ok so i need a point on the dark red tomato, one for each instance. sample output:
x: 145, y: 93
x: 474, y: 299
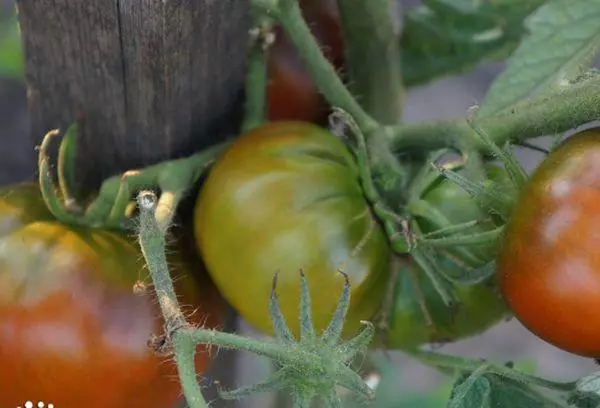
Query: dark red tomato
x: 72, y: 331
x: 284, y: 197
x: 292, y: 94
x: 549, y: 266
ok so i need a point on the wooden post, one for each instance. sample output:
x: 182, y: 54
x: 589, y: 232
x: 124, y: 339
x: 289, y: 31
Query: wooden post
x: 151, y: 79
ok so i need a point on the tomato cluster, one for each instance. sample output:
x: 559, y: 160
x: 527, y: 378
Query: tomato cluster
x: 288, y: 196
x: 73, y: 331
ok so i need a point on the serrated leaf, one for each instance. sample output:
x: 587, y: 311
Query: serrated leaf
x: 444, y: 37
x: 590, y: 383
x: 509, y: 393
x: 584, y: 400
x: 473, y: 392
x: 563, y: 42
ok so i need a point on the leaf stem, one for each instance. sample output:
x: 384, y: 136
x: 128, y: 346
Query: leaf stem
x: 184, y: 348
x: 257, y: 74
x: 465, y: 364
x: 288, y: 14
x: 373, y: 56
x: 544, y: 115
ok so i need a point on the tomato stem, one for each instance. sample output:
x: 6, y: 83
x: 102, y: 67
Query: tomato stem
x: 313, y: 366
x: 466, y: 364
x: 257, y: 76
x: 152, y: 242
x: 46, y: 180
x: 184, y: 348
x: 288, y: 14
x: 371, y: 41
x: 547, y: 114
x: 66, y: 165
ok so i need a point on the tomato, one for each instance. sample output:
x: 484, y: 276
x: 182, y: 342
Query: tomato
x: 292, y: 94
x: 452, y: 205
x: 284, y: 197
x: 549, y: 265
x: 73, y: 332
x: 480, y: 305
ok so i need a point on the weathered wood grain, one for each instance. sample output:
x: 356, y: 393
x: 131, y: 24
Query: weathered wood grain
x: 152, y: 79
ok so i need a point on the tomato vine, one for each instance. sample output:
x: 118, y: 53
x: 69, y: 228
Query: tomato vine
x: 398, y: 167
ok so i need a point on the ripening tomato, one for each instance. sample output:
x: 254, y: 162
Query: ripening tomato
x: 284, y: 197
x: 292, y: 93
x: 481, y: 305
x: 549, y: 265
x: 73, y: 332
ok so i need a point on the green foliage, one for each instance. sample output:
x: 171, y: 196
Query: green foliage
x: 11, y: 55
x: 563, y: 42
x: 392, y: 390
x: 446, y: 37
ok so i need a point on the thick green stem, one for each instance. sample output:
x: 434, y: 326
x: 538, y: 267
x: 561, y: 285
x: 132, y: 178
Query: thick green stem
x: 235, y: 342
x: 152, y: 242
x: 173, y: 177
x: 465, y: 364
x: 373, y: 56
x: 543, y: 115
x: 184, y: 348
x: 257, y: 74
x: 289, y: 15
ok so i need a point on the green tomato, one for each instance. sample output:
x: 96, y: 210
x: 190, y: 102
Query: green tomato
x: 287, y: 197
x: 419, y: 315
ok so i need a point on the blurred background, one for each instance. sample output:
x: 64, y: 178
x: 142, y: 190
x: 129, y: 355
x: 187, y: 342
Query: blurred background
x: 422, y: 387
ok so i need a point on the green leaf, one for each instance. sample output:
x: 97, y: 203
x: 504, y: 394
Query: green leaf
x: 446, y: 37
x: 563, y: 42
x: 584, y: 400
x: 471, y: 392
x: 484, y: 389
x: 11, y: 55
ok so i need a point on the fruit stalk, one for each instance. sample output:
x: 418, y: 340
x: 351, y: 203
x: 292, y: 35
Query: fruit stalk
x: 547, y: 114
x: 373, y: 56
x: 288, y: 14
x: 257, y: 75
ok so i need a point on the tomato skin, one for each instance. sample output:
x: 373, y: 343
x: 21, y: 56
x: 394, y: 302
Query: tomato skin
x: 73, y: 332
x: 292, y: 93
x: 286, y: 197
x: 481, y: 305
x: 549, y: 265
x: 481, y: 308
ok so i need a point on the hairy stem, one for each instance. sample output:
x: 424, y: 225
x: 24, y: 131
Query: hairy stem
x: 257, y: 74
x: 289, y: 15
x: 465, y: 364
x: 173, y: 177
x: 152, y: 242
x: 184, y: 348
x: 543, y: 115
x: 373, y: 56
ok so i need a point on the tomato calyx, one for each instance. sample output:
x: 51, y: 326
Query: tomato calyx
x: 319, y: 363
x: 114, y: 204
x: 311, y: 366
